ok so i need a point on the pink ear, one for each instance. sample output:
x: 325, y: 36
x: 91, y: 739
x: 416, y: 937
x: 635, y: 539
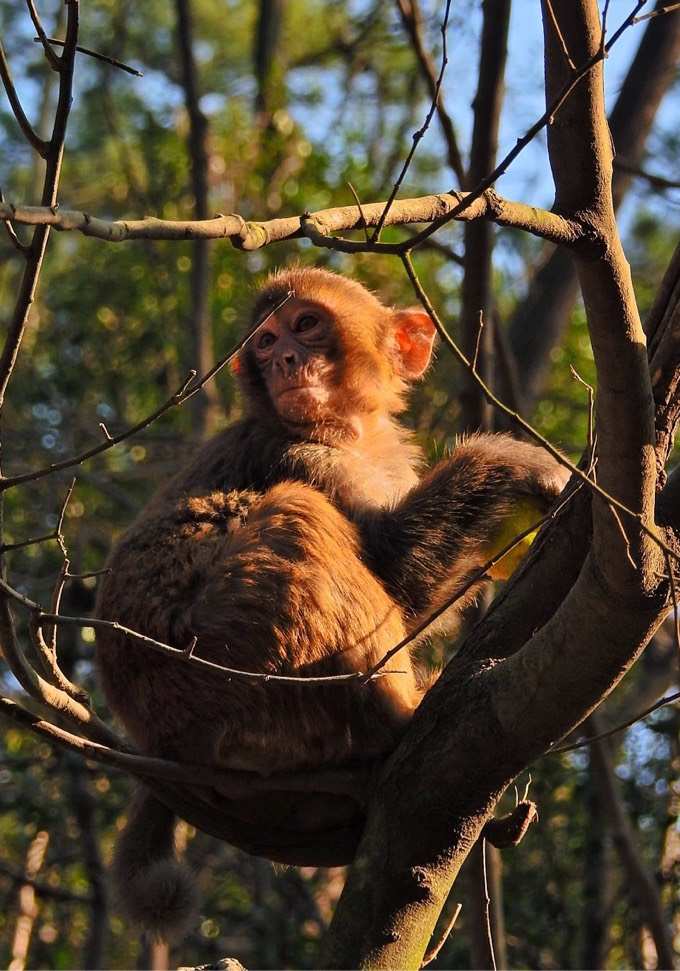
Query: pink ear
x: 414, y: 335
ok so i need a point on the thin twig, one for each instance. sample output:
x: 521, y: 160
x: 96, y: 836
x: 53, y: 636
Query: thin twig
x: 480, y: 328
x: 432, y: 953
x: 89, y: 575
x: 487, y: 907
x: 418, y: 135
x: 560, y: 35
x: 53, y: 59
x: 364, y: 224
x: 662, y: 703
x: 546, y: 119
x: 11, y: 232
x: 55, y: 534
x: 667, y: 8
x: 437, y: 246
x: 31, y: 136
x: 603, y: 35
x: 97, y: 55
x: 42, y: 618
x: 412, y: 20
x: 187, y: 390
x: 624, y: 537
x: 676, y: 614
x: 60, y: 520
x: 591, y: 407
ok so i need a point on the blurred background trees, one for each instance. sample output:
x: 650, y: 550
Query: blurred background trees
x: 270, y: 108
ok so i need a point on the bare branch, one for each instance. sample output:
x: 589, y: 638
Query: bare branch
x: 432, y: 954
x: 53, y: 153
x: 487, y: 906
x: 411, y: 16
x: 97, y: 55
x: 660, y: 11
x: 546, y: 119
x: 236, y: 784
x: 565, y: 49
x: 41, y: 690
x: 13, y: 238
x: 418, y: 135
x: 254, y: 235
x: 662, y: 703
x: 53, y: 59
x: 30, y: 134
x: 187, y: 390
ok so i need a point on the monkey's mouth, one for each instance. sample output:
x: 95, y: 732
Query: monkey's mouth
x: 315, y: 392
x: 302, y: 403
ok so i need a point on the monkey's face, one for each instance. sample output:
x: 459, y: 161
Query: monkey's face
x: 331, y: 359
x: 296, y: 354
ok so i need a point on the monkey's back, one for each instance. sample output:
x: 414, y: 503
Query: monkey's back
x: 269, y: 582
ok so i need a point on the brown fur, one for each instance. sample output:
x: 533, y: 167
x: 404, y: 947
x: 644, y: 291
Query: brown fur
x: 299, y: 542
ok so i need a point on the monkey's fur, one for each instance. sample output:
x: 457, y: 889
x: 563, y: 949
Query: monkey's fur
x: 299, y: 541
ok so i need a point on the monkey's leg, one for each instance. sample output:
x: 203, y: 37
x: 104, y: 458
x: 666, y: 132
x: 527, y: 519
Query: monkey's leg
x: 288, y: 593
x: 467, y: 507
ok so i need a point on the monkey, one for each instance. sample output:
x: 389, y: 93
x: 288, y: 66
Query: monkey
x: 306, y: 539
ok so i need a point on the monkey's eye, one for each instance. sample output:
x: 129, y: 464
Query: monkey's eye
x: 306, y: 322
x: 266, y: 340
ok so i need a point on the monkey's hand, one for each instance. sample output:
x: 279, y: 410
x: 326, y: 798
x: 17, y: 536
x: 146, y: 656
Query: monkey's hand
x: 528, y: 511
x: 546, y: 479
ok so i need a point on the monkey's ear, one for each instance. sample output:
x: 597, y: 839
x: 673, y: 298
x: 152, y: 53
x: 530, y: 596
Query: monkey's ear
x: 414, y: 335
x: 235, y: 365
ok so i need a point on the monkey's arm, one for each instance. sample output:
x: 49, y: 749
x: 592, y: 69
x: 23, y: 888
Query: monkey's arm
x: 467, y: 508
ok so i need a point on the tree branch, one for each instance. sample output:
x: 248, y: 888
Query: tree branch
x: 30, y: 134
x: 53, y: 156
x: 254, y: 235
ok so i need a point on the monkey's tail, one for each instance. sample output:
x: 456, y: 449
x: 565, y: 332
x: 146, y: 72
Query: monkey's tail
x: 152, y: 887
